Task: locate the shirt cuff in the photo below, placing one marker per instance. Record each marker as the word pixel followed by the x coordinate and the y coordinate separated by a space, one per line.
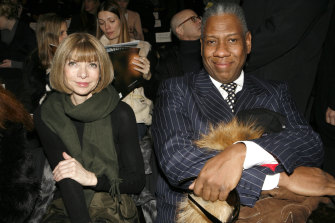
pixel 256 155
pixel 17 64
pixel 271 181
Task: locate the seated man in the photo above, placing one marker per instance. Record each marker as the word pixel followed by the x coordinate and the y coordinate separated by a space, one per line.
pixel 185 56
pixel 187 105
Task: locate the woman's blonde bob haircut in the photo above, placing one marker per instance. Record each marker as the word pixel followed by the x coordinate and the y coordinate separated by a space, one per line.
pixel 81 47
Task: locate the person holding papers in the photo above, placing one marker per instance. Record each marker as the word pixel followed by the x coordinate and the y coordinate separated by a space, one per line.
pixel 112 29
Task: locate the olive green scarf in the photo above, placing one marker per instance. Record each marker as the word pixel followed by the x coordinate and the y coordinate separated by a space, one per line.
pixel 97 153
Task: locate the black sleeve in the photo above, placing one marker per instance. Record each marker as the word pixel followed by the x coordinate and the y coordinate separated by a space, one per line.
pixel 150 86
pixel 71 191
pixel 131 165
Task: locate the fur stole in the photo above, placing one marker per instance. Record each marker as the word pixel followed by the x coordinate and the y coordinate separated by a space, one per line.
pixel 19 188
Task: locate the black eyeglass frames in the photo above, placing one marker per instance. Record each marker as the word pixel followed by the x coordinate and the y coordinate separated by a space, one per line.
pixel 194 19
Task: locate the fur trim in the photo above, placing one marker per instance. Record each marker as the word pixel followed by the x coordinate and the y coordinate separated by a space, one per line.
pixel 225 134
pixel 48 186
pixel 18 187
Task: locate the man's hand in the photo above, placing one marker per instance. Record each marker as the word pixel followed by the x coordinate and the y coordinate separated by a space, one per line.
pixel 6 64
pixel 220 174
pixel 330 116
pixel 71 168
pixel 308 181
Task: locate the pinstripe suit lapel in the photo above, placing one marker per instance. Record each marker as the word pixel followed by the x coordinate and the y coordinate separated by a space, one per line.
pixel 253 95
pixel 212 104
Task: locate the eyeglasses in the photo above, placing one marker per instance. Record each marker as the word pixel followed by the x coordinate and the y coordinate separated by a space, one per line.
pixel 193 18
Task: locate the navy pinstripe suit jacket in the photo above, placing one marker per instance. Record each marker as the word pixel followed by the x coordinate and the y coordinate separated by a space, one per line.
pixel 187 105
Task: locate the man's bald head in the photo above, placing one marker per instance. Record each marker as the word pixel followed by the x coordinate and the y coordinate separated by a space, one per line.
pixel 184 27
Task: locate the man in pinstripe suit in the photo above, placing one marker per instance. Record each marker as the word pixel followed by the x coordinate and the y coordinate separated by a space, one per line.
pixel 187 105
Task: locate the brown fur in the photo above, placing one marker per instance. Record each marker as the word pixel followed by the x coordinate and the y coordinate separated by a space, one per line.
pixel 219 137
pixel 12 110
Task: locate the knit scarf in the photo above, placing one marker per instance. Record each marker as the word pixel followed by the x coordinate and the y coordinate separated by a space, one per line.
pixel 97 153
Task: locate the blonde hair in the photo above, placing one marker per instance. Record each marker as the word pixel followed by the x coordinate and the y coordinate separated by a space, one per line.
pixel 111 6
pixel 81 47
pixel 48 30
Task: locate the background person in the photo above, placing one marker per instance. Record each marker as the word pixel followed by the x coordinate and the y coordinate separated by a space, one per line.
pixel 17 41
pixel 186 55
pixel 133 20
pixel 112 29
pixel 51 30
pixel 86 20
pixel 287 43
pixel 324 104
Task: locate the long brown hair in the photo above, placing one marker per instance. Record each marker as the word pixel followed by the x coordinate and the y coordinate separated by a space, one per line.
pixel 111 6
pixel 12 110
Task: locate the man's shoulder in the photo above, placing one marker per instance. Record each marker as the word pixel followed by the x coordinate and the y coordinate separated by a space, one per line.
pixel 188 77
pixel 184 83
pixel 133 14
pixel 269 86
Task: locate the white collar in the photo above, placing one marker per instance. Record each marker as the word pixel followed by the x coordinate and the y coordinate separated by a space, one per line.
pixel 239 81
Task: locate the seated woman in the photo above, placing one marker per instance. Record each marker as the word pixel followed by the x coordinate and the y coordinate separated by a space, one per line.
pixel 51 30
pixel 89 137
pixel 19 188
pixel 112 29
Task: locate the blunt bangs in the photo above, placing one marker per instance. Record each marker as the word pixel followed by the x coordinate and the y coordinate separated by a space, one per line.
pixel 83 52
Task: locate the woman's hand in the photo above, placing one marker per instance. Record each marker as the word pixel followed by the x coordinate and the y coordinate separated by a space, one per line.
pixel 143 66
pixel 71 168
pixel 6 64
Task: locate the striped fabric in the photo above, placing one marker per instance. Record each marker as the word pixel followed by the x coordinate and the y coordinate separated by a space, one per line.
pixel 185 107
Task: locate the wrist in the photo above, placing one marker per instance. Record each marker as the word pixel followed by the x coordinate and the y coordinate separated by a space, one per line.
pixel 283 180
pixel 237 151
pixel 93 180
pixel 241 150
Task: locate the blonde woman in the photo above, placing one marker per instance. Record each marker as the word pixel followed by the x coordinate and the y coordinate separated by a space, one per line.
pixel 89 137
pixel 51 30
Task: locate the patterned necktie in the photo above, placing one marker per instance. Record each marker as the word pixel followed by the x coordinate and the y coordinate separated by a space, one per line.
pixel 230 89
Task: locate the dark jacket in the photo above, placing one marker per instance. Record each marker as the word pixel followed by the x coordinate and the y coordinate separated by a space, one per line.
pixel 34 82
pixel 23 43
pixel 287 38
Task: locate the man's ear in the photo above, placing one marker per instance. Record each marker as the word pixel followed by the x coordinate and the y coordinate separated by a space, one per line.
pixel 180 31
pixel 248 41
